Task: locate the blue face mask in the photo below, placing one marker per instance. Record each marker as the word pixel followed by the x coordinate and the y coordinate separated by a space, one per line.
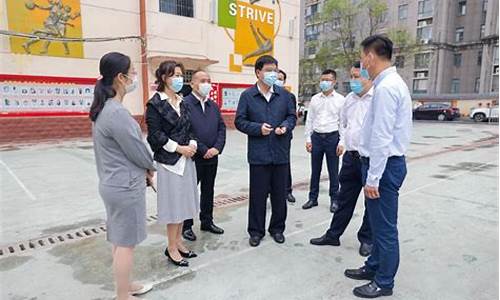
pixel 270 78
pixel 364 73
pixel 177 84
pixel 356 86
pixel 325 85
pixel 279 83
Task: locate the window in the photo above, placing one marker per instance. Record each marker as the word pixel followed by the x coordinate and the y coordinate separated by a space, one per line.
pixel 347 87
pixel 403 12
pixel 421 74
pixel 476 85
pixel 495 61
pixel 455 86
pixel 462 8
pixel 177 7
pixel 422 60
pixel 483 28
pixel 459 34
pixel 457 60
pixel 312 32
pixel 188 75
pixel 424 31
pixel 485 5
pixel 480 57
pixel 425 9
pixel 420 86
pixel 311 50
pixel 311 12
pixel 400 62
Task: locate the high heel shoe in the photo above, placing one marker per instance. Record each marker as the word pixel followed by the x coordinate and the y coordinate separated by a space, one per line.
pixel 189 254
pixel 181 263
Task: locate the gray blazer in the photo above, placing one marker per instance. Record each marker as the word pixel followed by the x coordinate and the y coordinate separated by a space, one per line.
pixel 121 156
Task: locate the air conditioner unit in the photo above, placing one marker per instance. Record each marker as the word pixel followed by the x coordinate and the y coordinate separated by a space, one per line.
pixel 424 41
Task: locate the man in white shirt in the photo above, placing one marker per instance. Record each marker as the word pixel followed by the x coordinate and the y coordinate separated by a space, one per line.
pixel 322 137
pixel 385 137
pixel 351 119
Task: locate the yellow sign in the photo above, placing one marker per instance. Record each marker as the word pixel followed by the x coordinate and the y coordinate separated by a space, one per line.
pixel 45 18
pixel 254 28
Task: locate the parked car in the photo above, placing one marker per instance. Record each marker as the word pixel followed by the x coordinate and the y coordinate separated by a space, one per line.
pixel 436 111
pixel 482 114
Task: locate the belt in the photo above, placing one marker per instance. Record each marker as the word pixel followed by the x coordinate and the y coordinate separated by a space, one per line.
pixel 354 154
pixel 326 133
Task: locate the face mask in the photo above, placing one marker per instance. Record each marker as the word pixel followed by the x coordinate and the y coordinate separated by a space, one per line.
pixel 131 87
pixel 204 89
pixel 177 84
pixel 325 85
pixel 279 83
pixel 364 72
pixel 270 78
pixel 356 86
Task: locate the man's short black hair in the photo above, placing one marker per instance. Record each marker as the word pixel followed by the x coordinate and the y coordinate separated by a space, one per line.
pixel 284 74
pixel 330 71
pixel 379 44
pixel 265 60
pixel 356 64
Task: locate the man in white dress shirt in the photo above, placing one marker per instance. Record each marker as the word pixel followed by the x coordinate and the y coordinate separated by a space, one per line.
pixel 385 137
pixel 322 137
pixel 351 119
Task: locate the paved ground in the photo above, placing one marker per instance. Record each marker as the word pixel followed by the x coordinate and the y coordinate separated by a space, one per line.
pixel 448 228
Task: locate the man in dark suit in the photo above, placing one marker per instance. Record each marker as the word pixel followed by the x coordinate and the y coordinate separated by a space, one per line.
pixel 281 82
pixel 210 132
pixel 266 114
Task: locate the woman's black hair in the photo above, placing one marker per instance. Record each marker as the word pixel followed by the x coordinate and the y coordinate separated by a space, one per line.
pixel 166 68
pixel 110 65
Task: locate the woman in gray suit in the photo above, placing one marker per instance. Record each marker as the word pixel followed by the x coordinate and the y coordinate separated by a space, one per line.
pixel 124 164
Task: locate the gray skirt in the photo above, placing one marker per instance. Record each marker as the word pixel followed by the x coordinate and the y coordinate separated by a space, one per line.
pixel 125 214
pixel 178 197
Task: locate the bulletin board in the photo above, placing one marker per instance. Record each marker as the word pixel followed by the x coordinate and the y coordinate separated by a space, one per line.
pixel 27 96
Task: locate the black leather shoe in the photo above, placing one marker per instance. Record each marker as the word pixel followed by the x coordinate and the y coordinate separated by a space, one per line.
pixel 189 254
pixel 325 240
pixel 290 198
pixel 278 237
pixel 310 204
pixel 181 263
pixel 254 241
pixel 212 228
pixel 365 249
pixel 189 235
pixel 333 207
pixel 371 290
pixel 360 274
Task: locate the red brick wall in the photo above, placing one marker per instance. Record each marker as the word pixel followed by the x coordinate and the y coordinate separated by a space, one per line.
pixel 15 130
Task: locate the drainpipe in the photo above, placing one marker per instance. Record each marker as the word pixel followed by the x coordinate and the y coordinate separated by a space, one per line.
pixel 144 61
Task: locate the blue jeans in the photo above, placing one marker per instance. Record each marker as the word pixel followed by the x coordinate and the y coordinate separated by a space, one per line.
pixel 383 215
pixel 324 144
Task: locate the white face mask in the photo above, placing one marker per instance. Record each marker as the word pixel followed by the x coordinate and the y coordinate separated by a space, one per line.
pixel 131 87
pixel 204 89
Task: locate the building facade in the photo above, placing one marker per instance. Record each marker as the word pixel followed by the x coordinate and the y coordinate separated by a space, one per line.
pixel 223 37
pixel 458 45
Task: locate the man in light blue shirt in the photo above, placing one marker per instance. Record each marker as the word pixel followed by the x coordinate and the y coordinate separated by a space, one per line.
pixel 385 137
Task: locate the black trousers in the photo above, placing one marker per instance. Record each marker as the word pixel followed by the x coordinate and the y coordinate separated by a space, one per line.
pixel 324 144
pixel 351 183
pixel 265 180
pixel 206 174
pixel 289 188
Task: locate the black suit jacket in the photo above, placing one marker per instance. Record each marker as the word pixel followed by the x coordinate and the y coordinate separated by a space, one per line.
pixel 163 124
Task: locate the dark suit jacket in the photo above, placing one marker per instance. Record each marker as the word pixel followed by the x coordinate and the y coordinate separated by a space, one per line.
pixel 163 124
pixel 208 128
pixel 254 110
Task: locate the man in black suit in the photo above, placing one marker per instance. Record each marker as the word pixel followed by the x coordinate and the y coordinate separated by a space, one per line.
pixel 266 115
pixel 210 132
pixel 281 82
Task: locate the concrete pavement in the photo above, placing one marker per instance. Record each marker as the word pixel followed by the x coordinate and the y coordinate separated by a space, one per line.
pixel 448 228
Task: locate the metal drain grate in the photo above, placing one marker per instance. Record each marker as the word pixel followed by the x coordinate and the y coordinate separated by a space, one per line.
pixel 23 247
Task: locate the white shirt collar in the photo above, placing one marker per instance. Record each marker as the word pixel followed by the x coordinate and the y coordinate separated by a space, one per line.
pixel 332 94
pixel 271 90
